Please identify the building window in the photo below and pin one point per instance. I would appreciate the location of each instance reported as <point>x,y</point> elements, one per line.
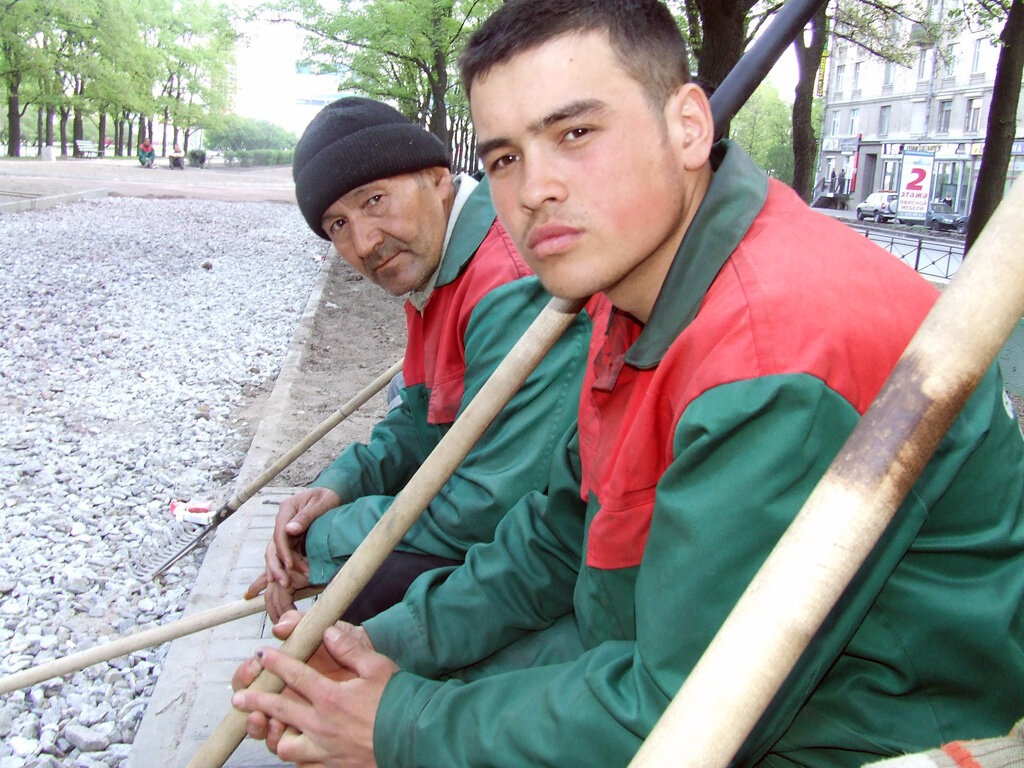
<point>854,122</point>
<point>856,76</point>
<point>976,57</point>
<point>890,73</point>
<point>840,72</point>
<point>972,117</point>
<point>890,174</point>
<point>883,120</point>
<point>945,111</point>
<point>922,64</point>
<point>834,130</point>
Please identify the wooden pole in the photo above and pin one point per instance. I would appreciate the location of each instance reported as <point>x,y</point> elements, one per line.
<point>236,501</point>
<point>424,485</point>
<point>761,640</point>
<point>136,641</point>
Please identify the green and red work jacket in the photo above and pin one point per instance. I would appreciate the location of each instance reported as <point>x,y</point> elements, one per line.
<point>483,300</point>
<point>701,434</point>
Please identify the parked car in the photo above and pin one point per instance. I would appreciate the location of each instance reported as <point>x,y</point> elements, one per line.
<point>880,206</point>
<point>941,216</point>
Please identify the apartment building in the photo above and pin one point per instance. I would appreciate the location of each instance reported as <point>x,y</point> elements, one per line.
<point>879,116</point>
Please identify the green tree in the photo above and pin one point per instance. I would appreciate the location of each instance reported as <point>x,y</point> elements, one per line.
<point>232,132</point>
<point>22,60</point>
<point>399,51</point>
<point>197,40</point>
<point>763,128</point>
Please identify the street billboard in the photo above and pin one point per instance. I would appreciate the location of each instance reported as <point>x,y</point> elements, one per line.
<point>915,185</point>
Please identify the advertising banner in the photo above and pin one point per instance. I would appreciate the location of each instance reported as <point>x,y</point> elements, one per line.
<point>915,185</point>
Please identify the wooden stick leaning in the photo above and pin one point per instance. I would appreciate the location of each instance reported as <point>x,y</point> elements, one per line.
<point>250,490</point>
<point>136,641</point>
<point>424,485</point>
<point>325,426</point>
<point>760,642</point>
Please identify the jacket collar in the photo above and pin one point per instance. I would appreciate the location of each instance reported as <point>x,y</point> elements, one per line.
<point>736,195</point>
<point>471,227</point>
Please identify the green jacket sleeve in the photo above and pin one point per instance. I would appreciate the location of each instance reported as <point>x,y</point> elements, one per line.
<point>746,456</point>
<point>510,459</point>
<point>521,582</point>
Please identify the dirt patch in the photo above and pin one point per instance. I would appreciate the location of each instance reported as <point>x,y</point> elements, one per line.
<point>358,333</point>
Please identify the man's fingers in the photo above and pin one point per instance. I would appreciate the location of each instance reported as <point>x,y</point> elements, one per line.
<point>278,561</point>
<point>286,624</point>
<point>288,709</point>
<point>351,648</point>
<point>298,748</point>
<point>298,676</point>
<point>257,586</point>
<point>247,671</point>
<point>257,726</point>
<point>279,601</point>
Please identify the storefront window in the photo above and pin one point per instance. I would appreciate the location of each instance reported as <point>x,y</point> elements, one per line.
<point>890,174</point>
<point>946,175</point>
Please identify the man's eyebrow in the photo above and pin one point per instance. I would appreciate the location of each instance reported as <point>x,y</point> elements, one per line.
<point>570,111</point>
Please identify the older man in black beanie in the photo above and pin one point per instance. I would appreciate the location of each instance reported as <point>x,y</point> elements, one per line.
<point>379,187</point>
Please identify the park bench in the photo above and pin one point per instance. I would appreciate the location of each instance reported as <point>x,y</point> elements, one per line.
<point>87,148</point>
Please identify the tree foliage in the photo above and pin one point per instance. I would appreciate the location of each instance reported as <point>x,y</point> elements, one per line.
<point>235,133</point>
<point>763,128</point>
<point>87,60</point>
<point>399,51</point>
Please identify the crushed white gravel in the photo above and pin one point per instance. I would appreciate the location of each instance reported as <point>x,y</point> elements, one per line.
<point>130,332</point>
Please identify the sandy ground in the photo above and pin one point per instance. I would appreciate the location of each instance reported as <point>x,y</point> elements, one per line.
<point>358,333</point>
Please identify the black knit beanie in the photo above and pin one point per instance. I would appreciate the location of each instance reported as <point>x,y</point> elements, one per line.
<point>351,142</point>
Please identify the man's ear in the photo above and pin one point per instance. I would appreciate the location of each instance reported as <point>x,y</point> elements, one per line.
<point>690,124</point>
<point>439,176</point>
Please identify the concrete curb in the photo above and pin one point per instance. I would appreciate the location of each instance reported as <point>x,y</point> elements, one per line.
<point>42,203</point>
<point>193,693</point>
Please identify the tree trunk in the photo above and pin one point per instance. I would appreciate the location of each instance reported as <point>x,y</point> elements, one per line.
<point>39,131</point>
<point>77,129</point>
<point>102,143</point>
<point>1002,123</point>
<point>50,114</point>
<point>438,77</point>
<point>65,113</point>
<point>13,117</point>
<point>808,58</point>
<point>167,116</point>
<point>723,25</point>
<point>723,37</point>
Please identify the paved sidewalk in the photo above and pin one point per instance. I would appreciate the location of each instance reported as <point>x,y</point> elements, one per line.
<point>30,183</point>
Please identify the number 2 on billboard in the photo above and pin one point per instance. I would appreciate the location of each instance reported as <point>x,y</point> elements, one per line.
<point>919,175</point>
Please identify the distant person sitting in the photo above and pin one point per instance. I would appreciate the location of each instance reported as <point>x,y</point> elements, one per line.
<point>147,155</point>
<point>177,157</point>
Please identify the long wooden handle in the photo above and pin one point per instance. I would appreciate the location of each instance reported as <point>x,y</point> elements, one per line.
<point>758,645</point>
<point>136,641</point>
<point>424,485</point>
<point>313,437</point>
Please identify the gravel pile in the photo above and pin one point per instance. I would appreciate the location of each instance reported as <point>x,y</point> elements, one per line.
<point>130,331</point>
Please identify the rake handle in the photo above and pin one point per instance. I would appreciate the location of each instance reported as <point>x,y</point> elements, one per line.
<point>136,641</point>
<point>236,501</point>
